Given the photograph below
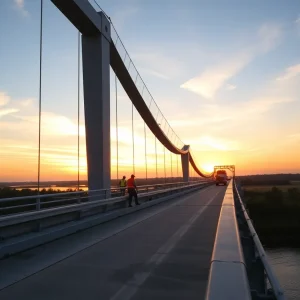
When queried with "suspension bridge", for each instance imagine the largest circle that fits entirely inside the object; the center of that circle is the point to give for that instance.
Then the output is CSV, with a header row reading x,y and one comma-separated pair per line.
x,y
188,240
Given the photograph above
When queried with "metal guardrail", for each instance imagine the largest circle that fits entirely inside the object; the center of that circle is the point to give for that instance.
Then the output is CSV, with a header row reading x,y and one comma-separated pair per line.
x,y
12,219
13,205
227,276
25,230
277,290
232,276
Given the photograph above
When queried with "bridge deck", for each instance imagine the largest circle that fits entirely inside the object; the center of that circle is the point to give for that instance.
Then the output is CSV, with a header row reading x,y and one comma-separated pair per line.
x,y
162,252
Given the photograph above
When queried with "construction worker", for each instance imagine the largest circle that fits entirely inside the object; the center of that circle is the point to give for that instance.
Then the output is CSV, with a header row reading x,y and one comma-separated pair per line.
x,y
122,185
131,188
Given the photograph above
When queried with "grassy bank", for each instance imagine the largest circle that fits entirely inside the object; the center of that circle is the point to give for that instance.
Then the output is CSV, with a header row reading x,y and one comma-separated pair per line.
x,y
275,211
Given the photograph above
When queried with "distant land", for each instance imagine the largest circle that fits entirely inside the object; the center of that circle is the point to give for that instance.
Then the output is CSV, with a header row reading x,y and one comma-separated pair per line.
x,y
29,184
266,179
74,183
246,179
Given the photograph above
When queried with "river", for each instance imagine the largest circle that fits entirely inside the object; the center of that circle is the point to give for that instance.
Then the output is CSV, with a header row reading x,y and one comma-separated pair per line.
x,y
286,265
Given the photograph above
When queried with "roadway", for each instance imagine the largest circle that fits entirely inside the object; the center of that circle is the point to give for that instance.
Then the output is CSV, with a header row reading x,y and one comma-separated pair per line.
x,y
162,252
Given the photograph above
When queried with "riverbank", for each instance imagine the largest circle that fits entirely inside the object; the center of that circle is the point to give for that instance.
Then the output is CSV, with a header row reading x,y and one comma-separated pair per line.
x,y
276,214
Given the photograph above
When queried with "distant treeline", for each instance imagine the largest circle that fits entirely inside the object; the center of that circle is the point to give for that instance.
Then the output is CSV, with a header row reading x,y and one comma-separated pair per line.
x,y
276,215
114,182
9,192
268,179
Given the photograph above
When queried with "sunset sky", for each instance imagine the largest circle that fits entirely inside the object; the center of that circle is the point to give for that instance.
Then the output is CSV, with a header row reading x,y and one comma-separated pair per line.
x,y
225,74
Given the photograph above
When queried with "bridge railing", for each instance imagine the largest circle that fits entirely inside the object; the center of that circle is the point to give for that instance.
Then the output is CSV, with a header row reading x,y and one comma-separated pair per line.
x,y
21,231
239,264
277,291
44,201
227,276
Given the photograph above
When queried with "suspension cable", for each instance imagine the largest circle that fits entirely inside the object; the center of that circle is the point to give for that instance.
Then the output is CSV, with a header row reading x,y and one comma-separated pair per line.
x,y
40,96
117,136
78,112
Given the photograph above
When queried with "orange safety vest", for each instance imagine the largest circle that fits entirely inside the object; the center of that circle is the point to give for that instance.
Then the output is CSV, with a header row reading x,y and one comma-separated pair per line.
x,y
130,183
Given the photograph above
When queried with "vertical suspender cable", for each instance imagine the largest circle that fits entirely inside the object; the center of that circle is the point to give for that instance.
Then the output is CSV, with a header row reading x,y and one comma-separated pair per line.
x,y
78,112
177,166
146,150
165,162
117,136
171,166
155,156
132,139
40,101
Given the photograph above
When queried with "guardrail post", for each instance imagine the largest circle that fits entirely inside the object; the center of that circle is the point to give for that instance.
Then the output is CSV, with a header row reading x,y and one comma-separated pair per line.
x,y
257,276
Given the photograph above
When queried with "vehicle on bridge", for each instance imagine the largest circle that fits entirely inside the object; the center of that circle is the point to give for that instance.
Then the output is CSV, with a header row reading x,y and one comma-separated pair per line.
x,y
221,177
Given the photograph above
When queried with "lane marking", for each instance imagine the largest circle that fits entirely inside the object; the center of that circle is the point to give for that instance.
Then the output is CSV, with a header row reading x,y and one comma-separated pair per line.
x,y
128,290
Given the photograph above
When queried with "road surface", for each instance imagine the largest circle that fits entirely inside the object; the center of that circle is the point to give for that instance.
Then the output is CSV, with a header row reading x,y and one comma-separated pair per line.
x,y
162,252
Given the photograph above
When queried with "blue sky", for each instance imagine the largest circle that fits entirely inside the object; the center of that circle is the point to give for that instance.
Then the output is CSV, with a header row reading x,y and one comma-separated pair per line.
x,y
224,73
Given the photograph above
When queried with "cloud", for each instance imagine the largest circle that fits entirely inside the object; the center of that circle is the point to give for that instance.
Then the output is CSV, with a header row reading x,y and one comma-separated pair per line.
x,y
27,102
20,6
7,111
290,73
208,142
213,78
269,37
264,104
230,87
4,98
152,61
297,25
154,73
122,15
294,136
245,111
53,124
241,118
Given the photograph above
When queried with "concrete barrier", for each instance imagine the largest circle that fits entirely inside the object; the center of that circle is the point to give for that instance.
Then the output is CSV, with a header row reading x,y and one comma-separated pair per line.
x,y
227,277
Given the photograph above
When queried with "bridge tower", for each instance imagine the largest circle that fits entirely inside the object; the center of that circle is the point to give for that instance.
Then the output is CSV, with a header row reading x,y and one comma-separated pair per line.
x,y
96,53
185,164
95,30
